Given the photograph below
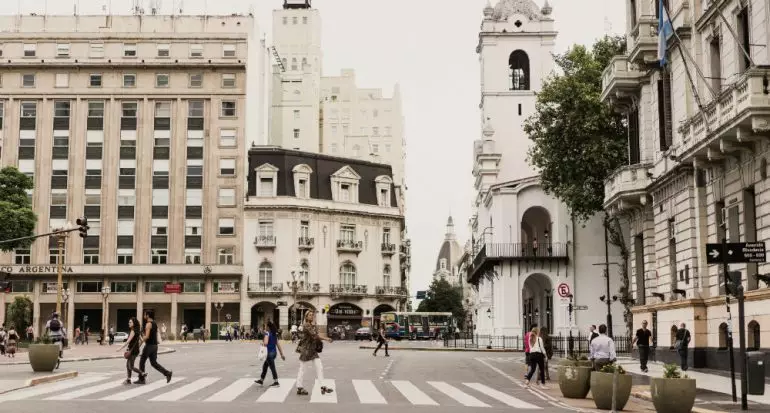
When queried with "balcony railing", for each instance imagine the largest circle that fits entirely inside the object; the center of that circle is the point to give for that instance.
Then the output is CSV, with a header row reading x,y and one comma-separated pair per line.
x,y
488,254
306,289
306,243
350,246
387,248
265,241
627,182
620,76
348,289
265,289
643,41
389,291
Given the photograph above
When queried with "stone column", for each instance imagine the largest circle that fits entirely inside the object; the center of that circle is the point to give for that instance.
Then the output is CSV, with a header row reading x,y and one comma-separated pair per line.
x,y
139,297
209,287
71,322
245,305
36,309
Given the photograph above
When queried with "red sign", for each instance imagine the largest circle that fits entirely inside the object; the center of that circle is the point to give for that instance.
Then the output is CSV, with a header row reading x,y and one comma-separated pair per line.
x,y
563,290
172,288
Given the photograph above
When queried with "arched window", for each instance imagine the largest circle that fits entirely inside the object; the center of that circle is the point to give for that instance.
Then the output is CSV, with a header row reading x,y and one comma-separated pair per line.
x,y
265,275
673,335
304,272
753,336
723,336
293,63
348,274
518,62
386,276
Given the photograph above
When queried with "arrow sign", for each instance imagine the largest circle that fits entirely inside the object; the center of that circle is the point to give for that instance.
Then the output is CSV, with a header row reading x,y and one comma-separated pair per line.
x,y
714,253
736,253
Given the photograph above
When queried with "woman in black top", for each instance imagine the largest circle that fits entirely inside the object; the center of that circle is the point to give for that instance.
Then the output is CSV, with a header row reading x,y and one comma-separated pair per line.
x,y
133,342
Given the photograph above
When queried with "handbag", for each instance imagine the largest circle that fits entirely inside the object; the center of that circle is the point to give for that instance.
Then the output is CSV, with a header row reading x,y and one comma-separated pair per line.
x,y
319,346
127,353
262,354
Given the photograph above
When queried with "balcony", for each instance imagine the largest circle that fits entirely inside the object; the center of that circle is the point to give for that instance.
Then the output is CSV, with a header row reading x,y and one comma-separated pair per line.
x,y
388,249
620,81
309,289
643,41
265,241
389,292
306,243
264,289
347,290
626,187
350,246
491,254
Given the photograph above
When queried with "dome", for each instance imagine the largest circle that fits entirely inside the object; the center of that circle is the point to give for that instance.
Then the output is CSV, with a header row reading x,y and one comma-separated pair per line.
x,y
506,8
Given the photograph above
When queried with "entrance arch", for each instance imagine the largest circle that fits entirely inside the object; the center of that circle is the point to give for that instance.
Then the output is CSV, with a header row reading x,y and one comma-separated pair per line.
x,y
382,308
263,311
537,302
297,312
343,320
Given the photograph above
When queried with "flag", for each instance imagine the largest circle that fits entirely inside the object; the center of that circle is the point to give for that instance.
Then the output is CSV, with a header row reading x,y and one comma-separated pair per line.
x,y
665,30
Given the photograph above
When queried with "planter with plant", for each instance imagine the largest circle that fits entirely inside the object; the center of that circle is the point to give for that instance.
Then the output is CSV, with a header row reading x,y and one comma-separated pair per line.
x,y
674,392
43,354
602,385
574,378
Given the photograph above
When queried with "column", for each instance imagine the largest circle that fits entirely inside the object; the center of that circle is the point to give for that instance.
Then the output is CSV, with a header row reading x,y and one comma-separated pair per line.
x,y
245,305
36,308
208,304
700,280
139,297
2,308
71,310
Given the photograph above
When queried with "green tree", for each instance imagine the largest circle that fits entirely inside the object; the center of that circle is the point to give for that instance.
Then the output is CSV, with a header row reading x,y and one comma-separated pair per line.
x,y
16,212
578,140
443,297
19,314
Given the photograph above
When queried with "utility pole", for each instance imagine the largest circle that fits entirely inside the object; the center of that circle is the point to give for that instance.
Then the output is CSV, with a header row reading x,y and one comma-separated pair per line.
x,y
728,287
607,274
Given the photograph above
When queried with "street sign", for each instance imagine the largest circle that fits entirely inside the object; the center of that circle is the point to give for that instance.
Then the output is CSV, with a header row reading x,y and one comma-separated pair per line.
x,y
563,290
736,253
581,307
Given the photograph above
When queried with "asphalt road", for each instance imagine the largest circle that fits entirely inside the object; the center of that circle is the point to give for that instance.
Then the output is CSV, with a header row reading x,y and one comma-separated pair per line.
x,y
219,373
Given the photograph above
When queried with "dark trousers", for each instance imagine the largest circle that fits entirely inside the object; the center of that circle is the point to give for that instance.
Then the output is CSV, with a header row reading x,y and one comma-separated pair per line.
x,y
683,358
151,352
112,338
269,362
536,361
130,366
644,356
379,346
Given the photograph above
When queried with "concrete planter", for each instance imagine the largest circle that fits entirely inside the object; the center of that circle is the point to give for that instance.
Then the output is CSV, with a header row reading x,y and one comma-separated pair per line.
x,y
601,390
574,381
673,395
43,357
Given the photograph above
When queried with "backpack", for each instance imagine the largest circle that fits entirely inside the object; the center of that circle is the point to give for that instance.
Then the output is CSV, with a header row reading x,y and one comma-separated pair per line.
x,y
55,325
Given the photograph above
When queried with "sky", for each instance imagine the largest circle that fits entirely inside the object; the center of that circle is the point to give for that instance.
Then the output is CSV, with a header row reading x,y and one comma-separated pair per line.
x,y
428,46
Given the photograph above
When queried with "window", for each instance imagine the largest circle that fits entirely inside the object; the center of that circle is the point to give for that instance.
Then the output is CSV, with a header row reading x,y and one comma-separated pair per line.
x,y
227,138
348,274
348,233
265,228
228,108
194,167
386,276
302,189
715,52
386,235
53,255
125,227
265,275
28,80
375,148
304,272
304,229
266,187
293,63
356,151
518,63
30,49
127,167
388,130
159,256
285,20
192,256
744,37
95,80
160,197
345,192
304,20
296,115
161,80
129,50
126,257
226,256
375,131
228,80
123,287
192,287
296,133
665,129
28,109
375,113
226,196
228,50
160,167
96,50
334,148
154,286
88,287
194,197
226,226
193,227
60,167
63,50
294,20
164,50
196,50
129,80
22,257
91,256
227,167
387,148
196,80
61,80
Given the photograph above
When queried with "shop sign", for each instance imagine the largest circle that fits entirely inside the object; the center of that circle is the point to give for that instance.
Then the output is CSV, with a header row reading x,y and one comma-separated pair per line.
x,y
227,287
172,288
35,269
347,310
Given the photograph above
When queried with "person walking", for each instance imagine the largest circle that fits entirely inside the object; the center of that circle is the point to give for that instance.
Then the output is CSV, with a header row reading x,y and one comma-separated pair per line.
x,y
602,349
536,358
2,340
11,340
133,342
592,334
548,345
273,348
150,351
381,341
54,328
642,342
30,334
111,335
310,344
527,349
682,343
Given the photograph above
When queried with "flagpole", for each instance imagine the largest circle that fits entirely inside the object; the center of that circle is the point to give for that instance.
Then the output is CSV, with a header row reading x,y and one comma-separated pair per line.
x,y
735,36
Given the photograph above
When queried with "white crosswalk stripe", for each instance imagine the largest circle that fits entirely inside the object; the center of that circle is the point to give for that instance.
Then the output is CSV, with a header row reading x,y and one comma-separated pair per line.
x,y
500,396
413,394
87,391
186,390
463,398
141,389
52,388
317,397
232,391
367,392
278,394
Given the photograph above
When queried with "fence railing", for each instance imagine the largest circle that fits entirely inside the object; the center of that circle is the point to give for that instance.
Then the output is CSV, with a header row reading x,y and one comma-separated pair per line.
x,y
561,344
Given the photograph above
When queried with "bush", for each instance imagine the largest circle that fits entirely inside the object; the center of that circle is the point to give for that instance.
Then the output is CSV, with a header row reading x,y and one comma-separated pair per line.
x,y
671,371
19,314
612,367
44,339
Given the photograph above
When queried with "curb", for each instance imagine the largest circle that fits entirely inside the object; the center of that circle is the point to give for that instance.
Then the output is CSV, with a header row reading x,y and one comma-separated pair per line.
x,y
457,350
646,396
43,380
73,360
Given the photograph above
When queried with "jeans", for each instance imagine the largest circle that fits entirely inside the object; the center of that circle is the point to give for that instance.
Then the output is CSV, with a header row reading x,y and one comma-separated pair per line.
x,y
379,346
130,366
644,356
683,358
269,362
151,352
536,361
304,365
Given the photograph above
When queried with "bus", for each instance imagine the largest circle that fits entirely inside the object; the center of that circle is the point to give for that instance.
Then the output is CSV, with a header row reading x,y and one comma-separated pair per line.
x,y
416,325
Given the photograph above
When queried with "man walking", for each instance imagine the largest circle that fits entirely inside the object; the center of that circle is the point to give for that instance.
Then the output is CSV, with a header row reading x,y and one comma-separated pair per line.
x,y
54,328
111,335
681,344
642,341
381,340
602,349
150,351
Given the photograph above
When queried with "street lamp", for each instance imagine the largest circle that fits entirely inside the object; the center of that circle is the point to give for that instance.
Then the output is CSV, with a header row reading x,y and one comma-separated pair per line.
x,y
218,306
491,316
105,317
295,285
65,296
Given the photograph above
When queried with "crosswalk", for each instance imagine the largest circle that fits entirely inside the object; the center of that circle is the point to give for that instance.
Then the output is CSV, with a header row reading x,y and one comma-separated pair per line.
x,y
105,387
502,359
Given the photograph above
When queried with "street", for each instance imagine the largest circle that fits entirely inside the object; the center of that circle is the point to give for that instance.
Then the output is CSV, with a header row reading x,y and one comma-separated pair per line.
x,y
225,373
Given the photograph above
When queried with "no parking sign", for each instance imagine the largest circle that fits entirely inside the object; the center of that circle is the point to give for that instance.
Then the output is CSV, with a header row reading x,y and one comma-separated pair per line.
x,y
563,290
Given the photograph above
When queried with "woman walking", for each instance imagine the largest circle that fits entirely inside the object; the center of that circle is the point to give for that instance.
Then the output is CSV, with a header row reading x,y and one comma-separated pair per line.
x,y
308,348
133,342
271,342
10,342
536,357
548,346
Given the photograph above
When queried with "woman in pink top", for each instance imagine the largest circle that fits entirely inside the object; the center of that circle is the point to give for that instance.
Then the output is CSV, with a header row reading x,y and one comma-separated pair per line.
x,y
527,348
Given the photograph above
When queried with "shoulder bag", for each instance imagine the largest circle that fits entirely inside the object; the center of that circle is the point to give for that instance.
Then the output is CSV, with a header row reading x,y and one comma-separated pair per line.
x,y
127,353
319,345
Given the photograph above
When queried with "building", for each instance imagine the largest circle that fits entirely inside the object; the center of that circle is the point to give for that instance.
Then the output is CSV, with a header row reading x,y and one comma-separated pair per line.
x,y
331,224
528,253
697,169
449,256
139,123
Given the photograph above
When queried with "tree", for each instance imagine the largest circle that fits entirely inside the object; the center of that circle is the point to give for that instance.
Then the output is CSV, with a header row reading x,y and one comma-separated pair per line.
x,y
443,297
16,212
578,140
19,314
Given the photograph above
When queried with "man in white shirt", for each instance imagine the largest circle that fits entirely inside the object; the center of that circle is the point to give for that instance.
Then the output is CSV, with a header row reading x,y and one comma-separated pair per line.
x,y
602,349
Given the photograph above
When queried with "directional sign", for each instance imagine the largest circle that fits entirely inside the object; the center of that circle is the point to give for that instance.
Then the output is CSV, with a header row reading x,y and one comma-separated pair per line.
x,y
581,307
736,253
563,290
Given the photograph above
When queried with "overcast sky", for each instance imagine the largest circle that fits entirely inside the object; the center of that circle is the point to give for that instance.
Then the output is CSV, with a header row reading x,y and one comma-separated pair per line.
x,y
429,47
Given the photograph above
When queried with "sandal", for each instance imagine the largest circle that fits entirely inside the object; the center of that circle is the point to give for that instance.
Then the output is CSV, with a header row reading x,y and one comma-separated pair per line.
x,y
301,392
325,390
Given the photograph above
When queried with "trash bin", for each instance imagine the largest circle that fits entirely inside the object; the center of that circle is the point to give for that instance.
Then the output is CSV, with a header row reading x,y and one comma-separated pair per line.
x,y
756,372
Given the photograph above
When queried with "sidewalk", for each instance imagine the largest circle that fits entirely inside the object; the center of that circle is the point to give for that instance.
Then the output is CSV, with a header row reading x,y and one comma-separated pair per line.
x,y
80,353
21,379
431,345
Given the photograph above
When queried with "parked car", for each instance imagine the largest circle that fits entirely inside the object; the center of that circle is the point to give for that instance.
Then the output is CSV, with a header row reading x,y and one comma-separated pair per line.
x,y
121,337
364,333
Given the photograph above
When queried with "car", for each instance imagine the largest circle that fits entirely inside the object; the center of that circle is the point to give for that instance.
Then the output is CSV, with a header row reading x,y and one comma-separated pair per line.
x,y
364,333
121,337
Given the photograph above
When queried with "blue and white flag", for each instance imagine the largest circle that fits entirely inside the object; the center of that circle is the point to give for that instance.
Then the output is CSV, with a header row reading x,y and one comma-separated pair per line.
x,y
665,30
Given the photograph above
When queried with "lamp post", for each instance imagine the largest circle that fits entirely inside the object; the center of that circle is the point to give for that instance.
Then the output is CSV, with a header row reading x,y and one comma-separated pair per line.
x,y
61,240
295,285
218,306
105,317
491,315
65,296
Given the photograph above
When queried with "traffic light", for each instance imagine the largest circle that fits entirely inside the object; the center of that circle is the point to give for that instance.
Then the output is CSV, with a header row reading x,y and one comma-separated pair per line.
x,y
83,226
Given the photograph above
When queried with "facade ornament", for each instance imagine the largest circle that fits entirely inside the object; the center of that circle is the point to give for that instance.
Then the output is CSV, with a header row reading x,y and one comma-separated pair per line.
x,y
547,9
488,131
507,8
325,230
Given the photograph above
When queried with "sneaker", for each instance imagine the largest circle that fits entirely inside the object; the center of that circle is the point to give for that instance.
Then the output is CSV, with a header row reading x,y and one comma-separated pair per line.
x,y
260,382
168,378
140,381
275,384
326,390
301,392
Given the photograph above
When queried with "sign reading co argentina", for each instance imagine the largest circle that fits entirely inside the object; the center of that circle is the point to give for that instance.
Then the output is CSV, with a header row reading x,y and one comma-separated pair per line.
x,y
35,269
736,253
